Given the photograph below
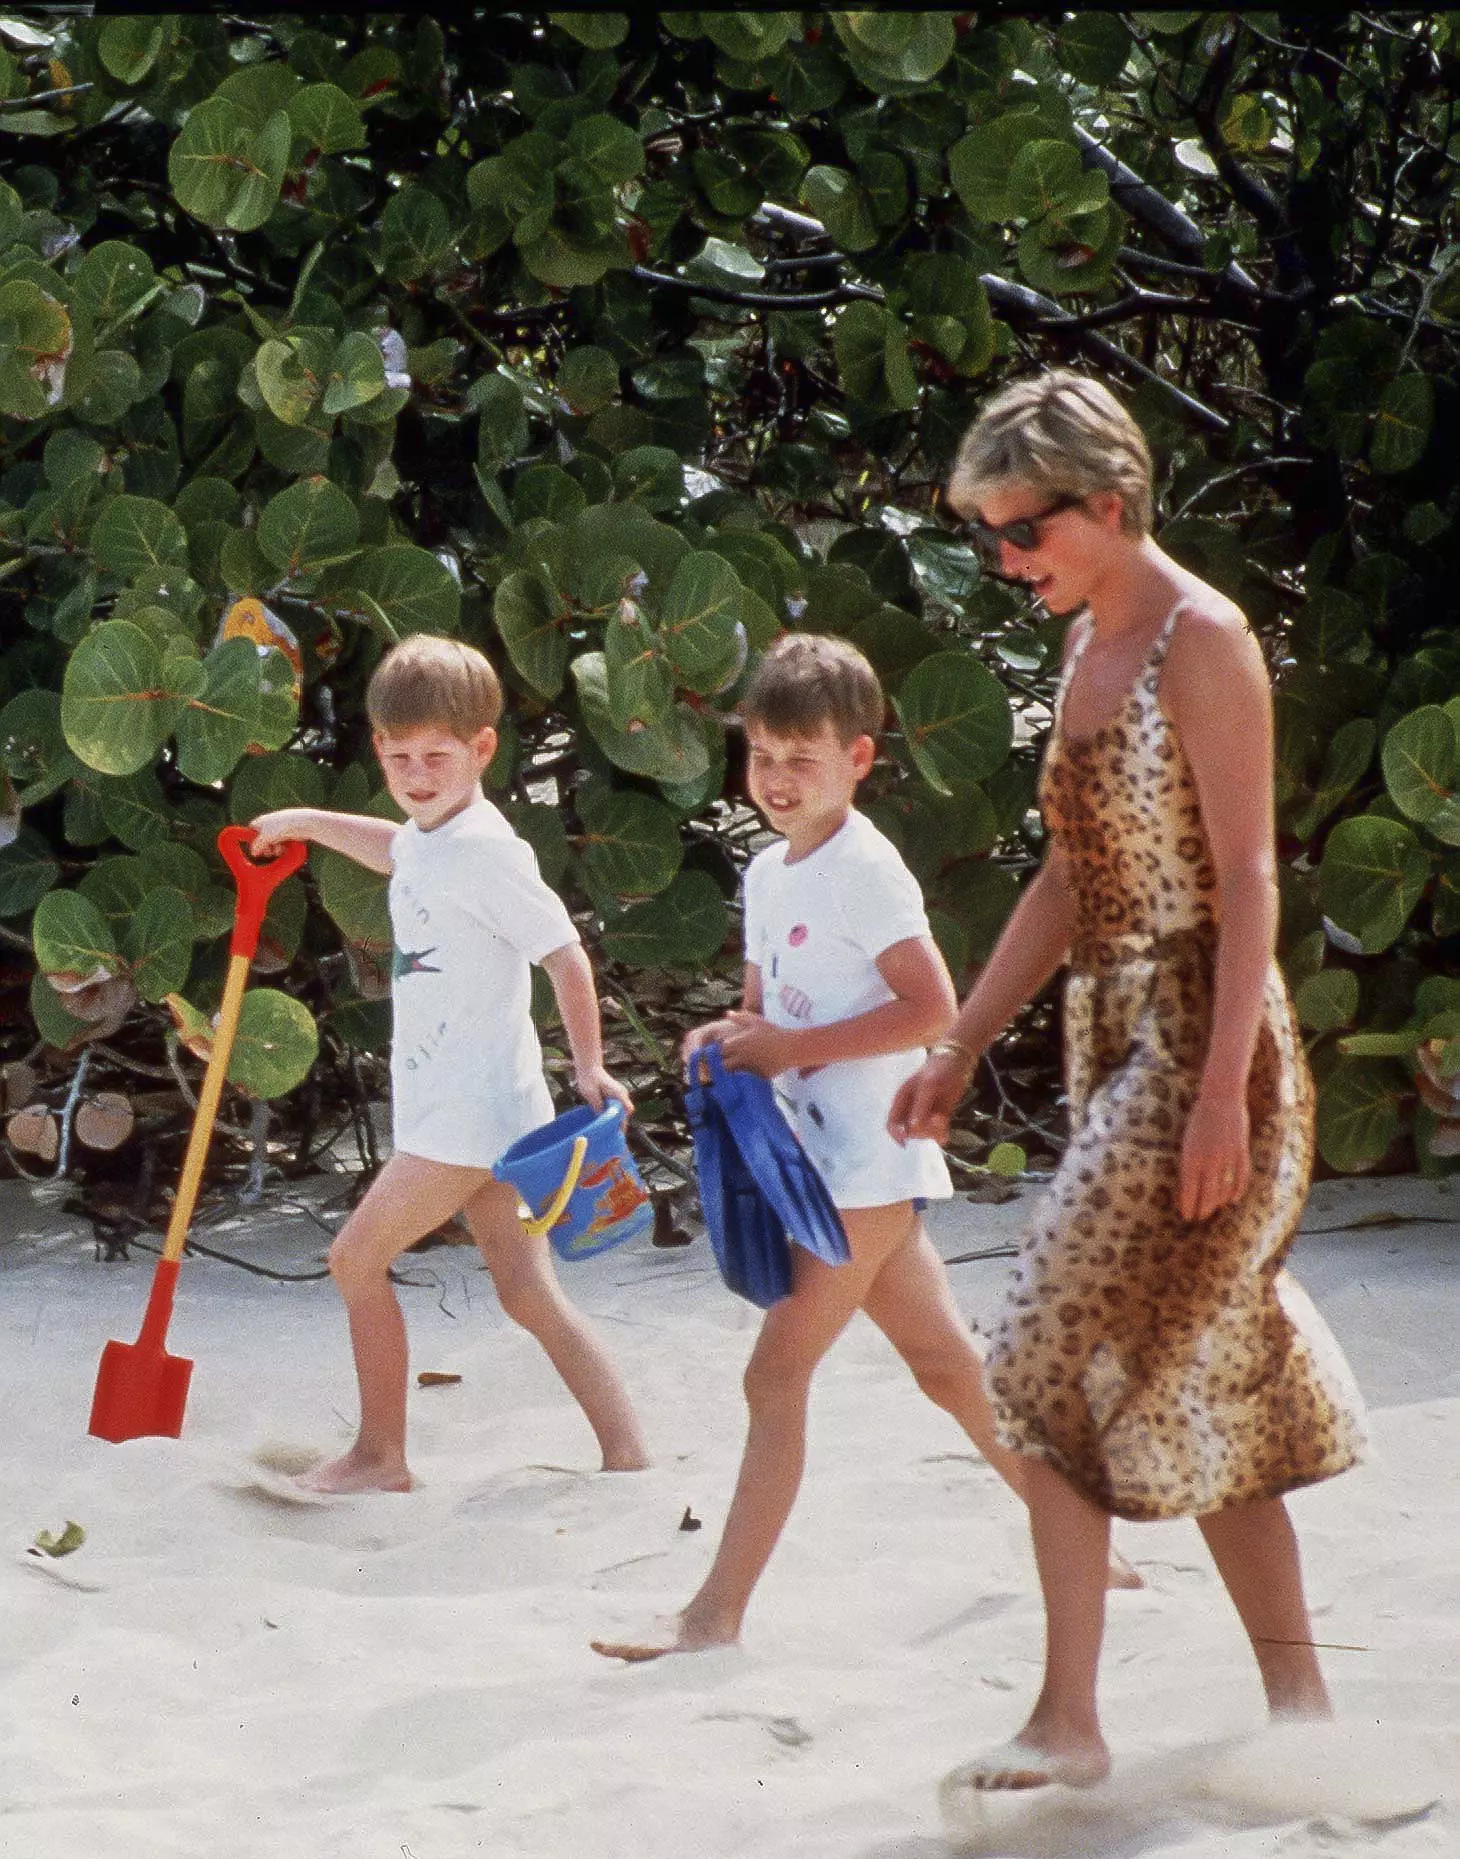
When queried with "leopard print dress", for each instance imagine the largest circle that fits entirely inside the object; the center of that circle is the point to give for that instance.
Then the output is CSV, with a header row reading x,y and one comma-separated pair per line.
x,y
1166,1367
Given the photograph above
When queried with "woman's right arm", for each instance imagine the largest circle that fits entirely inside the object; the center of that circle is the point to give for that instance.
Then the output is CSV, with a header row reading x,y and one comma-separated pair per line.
x,y
360,836
1034,943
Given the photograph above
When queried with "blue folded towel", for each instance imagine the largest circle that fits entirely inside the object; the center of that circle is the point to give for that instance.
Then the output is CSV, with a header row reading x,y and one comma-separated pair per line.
x,y
759,1189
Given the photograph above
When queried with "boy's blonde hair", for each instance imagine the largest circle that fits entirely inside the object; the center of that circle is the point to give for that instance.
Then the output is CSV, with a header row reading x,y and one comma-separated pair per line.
x,y
807,679
1062,434
428,681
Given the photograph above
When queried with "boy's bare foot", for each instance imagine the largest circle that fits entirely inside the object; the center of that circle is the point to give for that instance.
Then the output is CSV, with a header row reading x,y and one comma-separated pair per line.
x,y
1120,1573
355,1472
1021,1765
677,1635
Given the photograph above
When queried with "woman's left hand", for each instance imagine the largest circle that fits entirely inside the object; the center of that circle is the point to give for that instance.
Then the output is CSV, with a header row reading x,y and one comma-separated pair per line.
x,y
1216,1159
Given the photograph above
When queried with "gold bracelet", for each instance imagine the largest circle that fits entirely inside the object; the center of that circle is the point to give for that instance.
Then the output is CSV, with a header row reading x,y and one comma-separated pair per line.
x,y
955,1048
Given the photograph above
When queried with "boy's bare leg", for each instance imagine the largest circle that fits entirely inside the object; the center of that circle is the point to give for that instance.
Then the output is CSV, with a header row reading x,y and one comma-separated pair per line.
x,y
796,1334
409,1198
527,1285
1256,1553
912,1303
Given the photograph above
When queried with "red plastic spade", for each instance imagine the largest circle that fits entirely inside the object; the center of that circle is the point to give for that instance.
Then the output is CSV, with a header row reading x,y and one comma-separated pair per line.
x,y
141,1390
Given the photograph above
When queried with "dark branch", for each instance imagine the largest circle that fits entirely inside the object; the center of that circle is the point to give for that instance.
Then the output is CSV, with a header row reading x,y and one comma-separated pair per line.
x,y
761,300
1164,218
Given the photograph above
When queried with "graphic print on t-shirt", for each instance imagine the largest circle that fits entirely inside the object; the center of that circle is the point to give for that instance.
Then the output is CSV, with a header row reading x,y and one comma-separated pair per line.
x,y
796,1002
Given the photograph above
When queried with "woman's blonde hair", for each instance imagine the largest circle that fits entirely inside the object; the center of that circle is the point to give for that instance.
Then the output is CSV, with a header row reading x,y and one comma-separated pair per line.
x,y
427,682
1062,434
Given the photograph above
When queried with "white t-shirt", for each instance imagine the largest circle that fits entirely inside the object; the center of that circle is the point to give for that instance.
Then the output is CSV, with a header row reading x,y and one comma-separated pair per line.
x,y
470,913
814,929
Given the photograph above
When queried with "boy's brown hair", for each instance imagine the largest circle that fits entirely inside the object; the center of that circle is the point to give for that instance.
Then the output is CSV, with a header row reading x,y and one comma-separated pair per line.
x,y
807,679
1062,434
427,681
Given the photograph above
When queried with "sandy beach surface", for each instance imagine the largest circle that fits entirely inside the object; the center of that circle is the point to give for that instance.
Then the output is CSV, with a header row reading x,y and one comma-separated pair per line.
x,y
222,1670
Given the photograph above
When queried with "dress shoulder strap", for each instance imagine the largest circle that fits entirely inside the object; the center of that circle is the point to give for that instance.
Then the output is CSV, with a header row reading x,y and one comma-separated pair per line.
x,y
1081,628
1163,641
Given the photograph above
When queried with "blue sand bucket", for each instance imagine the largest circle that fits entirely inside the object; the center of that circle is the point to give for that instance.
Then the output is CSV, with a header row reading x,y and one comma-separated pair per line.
x,y
579,1182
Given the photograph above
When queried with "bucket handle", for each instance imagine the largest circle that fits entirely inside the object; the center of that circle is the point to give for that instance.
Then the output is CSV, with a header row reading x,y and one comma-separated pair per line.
x,y
539,1223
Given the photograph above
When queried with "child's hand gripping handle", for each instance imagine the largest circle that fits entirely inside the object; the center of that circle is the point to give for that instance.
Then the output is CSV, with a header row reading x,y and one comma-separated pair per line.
x,y
256,882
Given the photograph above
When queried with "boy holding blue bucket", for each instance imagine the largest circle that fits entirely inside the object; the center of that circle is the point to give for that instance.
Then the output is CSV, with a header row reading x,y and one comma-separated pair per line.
x,y
470,914
844,989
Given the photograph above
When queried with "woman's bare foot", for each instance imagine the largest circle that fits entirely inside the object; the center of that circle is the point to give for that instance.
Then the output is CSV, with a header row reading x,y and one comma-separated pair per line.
x,y
1121,1574
627,1459
682,1634
355,1472
1018,1764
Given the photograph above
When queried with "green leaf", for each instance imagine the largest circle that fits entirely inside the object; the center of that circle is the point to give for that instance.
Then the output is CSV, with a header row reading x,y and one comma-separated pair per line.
x,y
1093,47
894,48
356,375
700,620
601,31
116,706
291,375
111,280
608,147
309,526
587,380
1358,1113
1403,422
226,173
415,592
73,1536
72,938
532,622
130,46
631,845
134,534
1418,759
276,1043
981,164
415,233
158,942
502,436
835,198
35,346
1006,1159
1372,876
1048,177
355,897
673,751
685,926
1346,761
649,476
1327,1000
220,723
640,687
872,358
955,719
28,869
325,119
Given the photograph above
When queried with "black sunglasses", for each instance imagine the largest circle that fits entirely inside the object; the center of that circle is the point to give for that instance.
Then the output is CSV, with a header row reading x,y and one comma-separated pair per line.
x,y
1025,532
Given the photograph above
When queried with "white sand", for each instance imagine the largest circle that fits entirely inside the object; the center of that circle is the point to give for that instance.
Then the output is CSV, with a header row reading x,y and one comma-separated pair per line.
x,y
219,1672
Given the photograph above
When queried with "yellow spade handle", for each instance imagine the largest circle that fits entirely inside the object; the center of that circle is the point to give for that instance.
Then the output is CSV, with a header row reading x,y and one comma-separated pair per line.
x,y
207,1111
540,1223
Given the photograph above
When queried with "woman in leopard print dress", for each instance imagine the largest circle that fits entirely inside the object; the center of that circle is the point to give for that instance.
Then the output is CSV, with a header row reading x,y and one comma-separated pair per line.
x,y
1152,1358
